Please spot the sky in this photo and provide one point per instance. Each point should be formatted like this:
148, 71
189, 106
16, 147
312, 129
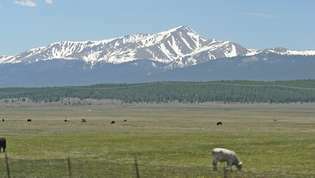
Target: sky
26, 24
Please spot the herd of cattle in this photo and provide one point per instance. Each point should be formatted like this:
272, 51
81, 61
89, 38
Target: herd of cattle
67, 120
83, 120
218, 154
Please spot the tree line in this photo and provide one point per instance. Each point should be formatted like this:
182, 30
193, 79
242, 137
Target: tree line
302, 91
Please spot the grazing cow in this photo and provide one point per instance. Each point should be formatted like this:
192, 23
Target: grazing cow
219, 123
66, 120
29, 120
113, 122
83, 120
2, 120
225, 155
125, 120
3, 144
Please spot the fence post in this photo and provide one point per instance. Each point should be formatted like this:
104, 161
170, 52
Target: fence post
6, 159
225, 173
137, 168
69, 167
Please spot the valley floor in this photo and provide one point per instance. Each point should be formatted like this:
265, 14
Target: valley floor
169, 140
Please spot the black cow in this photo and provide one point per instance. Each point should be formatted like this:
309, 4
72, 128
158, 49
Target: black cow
113, 122
3, 144
125, 120
83, 120
219, 123
2, 120
66, 120
29, 120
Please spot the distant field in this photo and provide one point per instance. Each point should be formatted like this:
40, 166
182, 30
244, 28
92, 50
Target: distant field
170, 140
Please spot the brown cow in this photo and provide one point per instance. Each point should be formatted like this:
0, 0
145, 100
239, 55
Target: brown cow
219, 123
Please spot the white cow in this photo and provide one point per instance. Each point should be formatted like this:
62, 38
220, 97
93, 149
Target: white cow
225, 155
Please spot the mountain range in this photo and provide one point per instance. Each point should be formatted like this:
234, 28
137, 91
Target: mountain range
176, 54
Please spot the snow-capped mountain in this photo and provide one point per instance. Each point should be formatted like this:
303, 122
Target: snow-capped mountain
287, 52
175, 54
180, 46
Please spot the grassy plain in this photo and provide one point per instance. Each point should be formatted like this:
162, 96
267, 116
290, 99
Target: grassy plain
169, 140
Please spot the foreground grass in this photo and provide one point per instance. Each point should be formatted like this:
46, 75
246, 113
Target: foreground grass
170, 140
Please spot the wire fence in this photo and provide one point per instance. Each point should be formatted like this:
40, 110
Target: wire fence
96, 168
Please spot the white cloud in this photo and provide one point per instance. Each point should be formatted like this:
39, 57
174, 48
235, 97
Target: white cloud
49, 2
31, 3
27, 3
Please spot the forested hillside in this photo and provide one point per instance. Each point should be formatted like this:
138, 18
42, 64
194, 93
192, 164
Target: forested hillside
187, 92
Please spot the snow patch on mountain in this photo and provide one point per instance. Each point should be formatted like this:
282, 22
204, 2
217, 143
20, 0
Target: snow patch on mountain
8, 59
281, 51
284, 51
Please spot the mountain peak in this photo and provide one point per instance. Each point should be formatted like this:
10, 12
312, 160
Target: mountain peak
182, 28
179, 29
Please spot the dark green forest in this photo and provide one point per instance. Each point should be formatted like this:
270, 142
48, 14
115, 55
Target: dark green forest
300, 91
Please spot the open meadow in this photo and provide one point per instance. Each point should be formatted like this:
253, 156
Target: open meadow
169, 140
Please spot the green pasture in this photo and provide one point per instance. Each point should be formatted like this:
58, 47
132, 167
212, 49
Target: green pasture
169, 140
